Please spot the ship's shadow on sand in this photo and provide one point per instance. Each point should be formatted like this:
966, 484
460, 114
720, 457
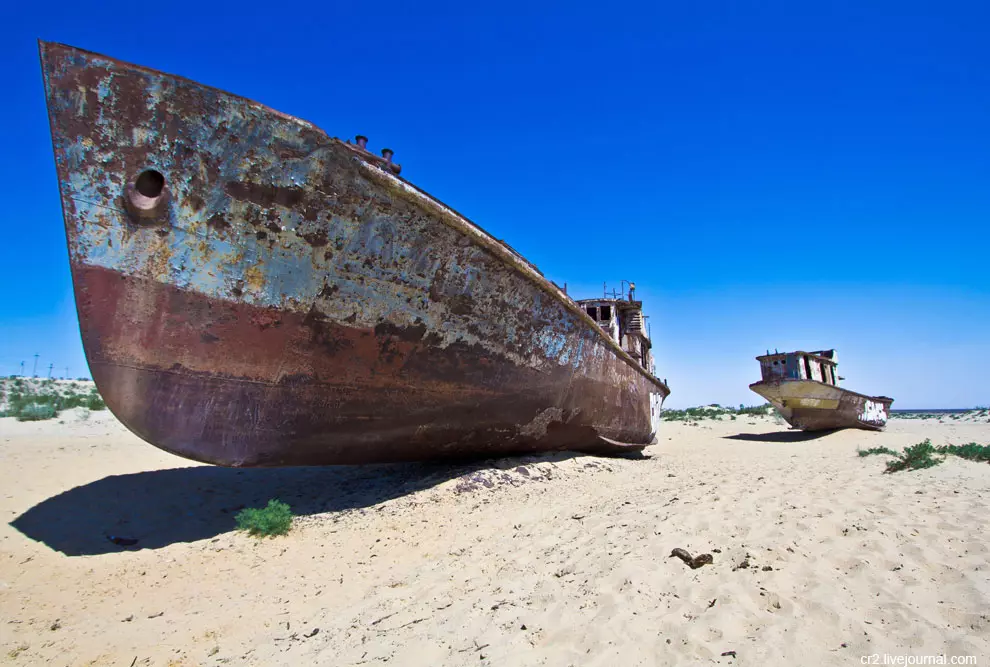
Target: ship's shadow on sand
162, 507
781, 436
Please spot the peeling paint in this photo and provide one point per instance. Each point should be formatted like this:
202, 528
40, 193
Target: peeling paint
874, 413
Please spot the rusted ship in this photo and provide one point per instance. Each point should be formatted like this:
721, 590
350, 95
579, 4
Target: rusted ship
804, 387
254, 292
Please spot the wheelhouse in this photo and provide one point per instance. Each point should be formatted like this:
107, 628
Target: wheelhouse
819, 366
622, 321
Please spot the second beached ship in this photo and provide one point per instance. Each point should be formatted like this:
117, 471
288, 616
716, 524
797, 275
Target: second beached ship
804, 387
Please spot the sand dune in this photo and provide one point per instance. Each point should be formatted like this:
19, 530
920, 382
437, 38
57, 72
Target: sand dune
819, 558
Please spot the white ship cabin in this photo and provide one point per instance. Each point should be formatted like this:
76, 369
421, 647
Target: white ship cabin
819, 366
622, 321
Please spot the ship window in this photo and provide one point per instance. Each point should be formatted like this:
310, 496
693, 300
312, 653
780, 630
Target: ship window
593, 312
606, 313
807, 368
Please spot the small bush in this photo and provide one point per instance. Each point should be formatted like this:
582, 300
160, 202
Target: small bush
877, 450
971, 451
94, 402
33, 412
915, 457
274, 519
922, 455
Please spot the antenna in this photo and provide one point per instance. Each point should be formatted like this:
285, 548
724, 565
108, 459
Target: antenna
35, 371
50, 367
22, 369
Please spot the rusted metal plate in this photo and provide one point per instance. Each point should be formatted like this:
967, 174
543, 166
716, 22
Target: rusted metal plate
254, 292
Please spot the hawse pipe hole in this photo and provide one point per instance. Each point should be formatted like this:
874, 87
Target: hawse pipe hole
146, 196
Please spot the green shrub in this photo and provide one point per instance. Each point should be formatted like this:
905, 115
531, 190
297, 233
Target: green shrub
94, 402
971, 451
915, 457
922, 455
877, 450
274, 519
33, 412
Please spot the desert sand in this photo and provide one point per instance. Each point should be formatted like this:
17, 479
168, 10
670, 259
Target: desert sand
819, 557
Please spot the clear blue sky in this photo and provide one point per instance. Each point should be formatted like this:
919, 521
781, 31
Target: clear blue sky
771, 174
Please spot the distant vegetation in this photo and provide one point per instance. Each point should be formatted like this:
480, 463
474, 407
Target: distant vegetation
965, 415
273, 519
33, 399
716, 411
926, 455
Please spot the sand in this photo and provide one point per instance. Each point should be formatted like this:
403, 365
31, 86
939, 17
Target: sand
560, 560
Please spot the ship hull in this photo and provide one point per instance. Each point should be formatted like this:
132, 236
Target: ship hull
815, 406
290, 301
